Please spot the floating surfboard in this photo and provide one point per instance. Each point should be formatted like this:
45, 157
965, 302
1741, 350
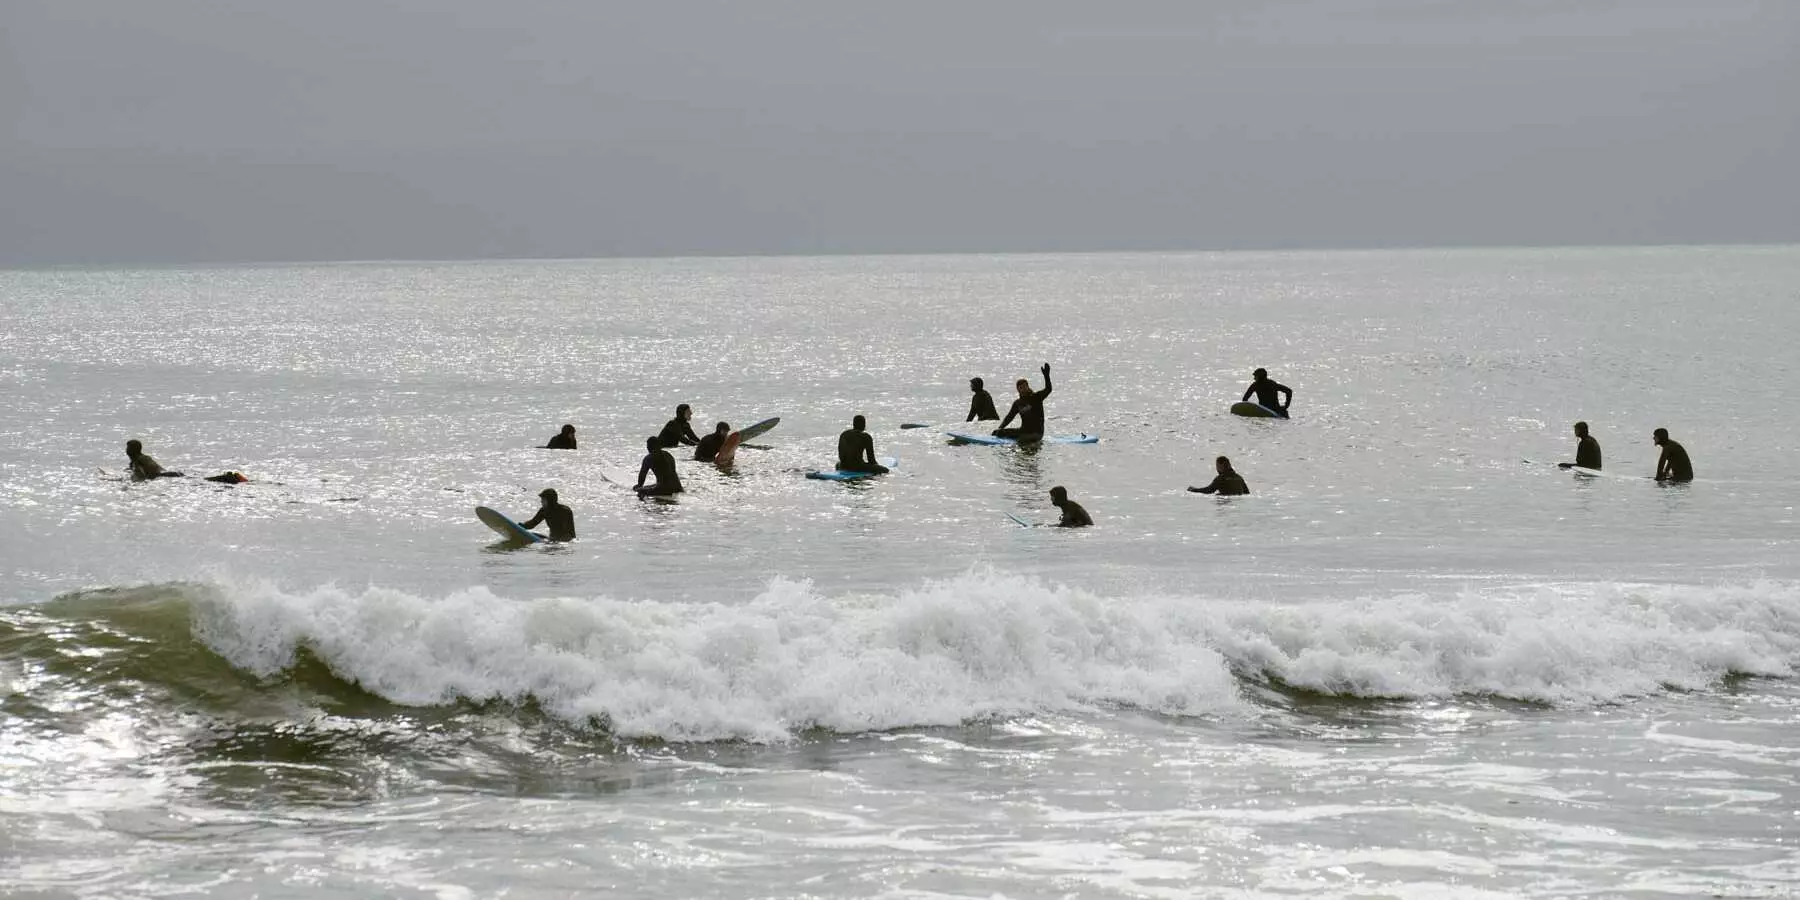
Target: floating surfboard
728, 451
1254, 410
1020, 522
992, 441
841, 475
505, 527
757, 430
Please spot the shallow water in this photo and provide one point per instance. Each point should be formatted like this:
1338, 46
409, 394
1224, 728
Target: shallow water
1409, 664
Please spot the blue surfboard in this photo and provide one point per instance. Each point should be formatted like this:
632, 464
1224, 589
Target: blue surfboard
505, 527
991, 441
841, 475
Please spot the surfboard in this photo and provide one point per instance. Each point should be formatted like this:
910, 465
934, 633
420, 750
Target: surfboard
1020, 522
1254, 411
841, 475
728, 451
504, 526
991, 441
757, 430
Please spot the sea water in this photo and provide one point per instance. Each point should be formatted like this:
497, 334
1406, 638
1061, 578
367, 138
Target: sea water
1408, 664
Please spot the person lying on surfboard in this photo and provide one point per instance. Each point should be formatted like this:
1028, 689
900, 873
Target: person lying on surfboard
1266, 390
145, 468
1228, 483
1073, 515
560, 518
660, 461
678, 431
981, 406
708, 448
564, 440
1029, 409
856, 449
1587, 450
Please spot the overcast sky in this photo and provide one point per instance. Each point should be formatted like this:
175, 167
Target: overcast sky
179, 130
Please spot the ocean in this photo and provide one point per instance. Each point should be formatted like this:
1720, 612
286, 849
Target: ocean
1409, 664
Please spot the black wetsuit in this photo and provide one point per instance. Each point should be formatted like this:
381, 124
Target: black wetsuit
1673, 465
856, 453
982, 407
708, 449
668, 481
676, 433
1030, 410
560, 519
1230, 484
1073, 516
561, 442
1587, 453
1268, 395
144, 468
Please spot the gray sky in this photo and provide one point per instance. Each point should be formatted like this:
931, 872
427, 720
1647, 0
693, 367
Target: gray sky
179, 130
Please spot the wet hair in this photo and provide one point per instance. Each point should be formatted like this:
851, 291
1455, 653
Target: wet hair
568, 429
1223, 461
548, 494
1023, 384
1059, 493
1662, 433
1581, 427
134, 446
1260, 373
722, 427
653, 443
682, 409
859, 423
976, 383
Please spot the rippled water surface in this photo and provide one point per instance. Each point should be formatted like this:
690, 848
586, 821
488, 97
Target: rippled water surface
1408, 664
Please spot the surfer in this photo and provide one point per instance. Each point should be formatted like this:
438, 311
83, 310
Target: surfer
1228, 483
1266, 391
1673, 465
564, 440
668, 481
981, 406
559, 517
1029, 409
708, 449
856, 449
678, 431
1587, 450
1073, 516
145, 468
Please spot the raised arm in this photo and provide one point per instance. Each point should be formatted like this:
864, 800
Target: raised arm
1047, 388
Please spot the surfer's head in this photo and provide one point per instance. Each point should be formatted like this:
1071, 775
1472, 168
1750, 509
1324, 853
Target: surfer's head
1260, 374
859, 423
1024, 387
974, 384
1581, 429
652, 443
549, 495
134, 447
1659, 435
722, 428
568, 431
1059, 495
1223, 464
684, 412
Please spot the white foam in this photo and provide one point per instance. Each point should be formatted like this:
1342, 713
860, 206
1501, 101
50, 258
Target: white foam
987, 644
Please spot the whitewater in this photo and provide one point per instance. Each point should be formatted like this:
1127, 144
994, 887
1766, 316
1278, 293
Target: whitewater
1408, 664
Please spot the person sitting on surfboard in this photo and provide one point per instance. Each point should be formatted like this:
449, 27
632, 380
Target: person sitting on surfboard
1029, 408
1587, 450
1266, 390
663, 464
708, 449
144, 468
1673, 465
981, 406
856, 449
564, 440
1228, 483
678, 431
1073, 516
559, 517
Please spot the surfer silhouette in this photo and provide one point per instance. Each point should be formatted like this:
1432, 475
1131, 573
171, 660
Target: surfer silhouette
678, 431
1028, 409
1587, 450
981, 406
1073, 515
660, 461
146, 468
559, 517
856, 449
1228, 483
708, 448
564, 440
1672, 466
1267, 392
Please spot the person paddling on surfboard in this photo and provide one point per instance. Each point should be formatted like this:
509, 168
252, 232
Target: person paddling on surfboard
1073, 515
1266, 391
981, 406
1228, 483
559, 517
1029, 409
856, 449
564, 440
1672, 466
1587, 450
678, 431
708, 449
145, 468
662, 462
